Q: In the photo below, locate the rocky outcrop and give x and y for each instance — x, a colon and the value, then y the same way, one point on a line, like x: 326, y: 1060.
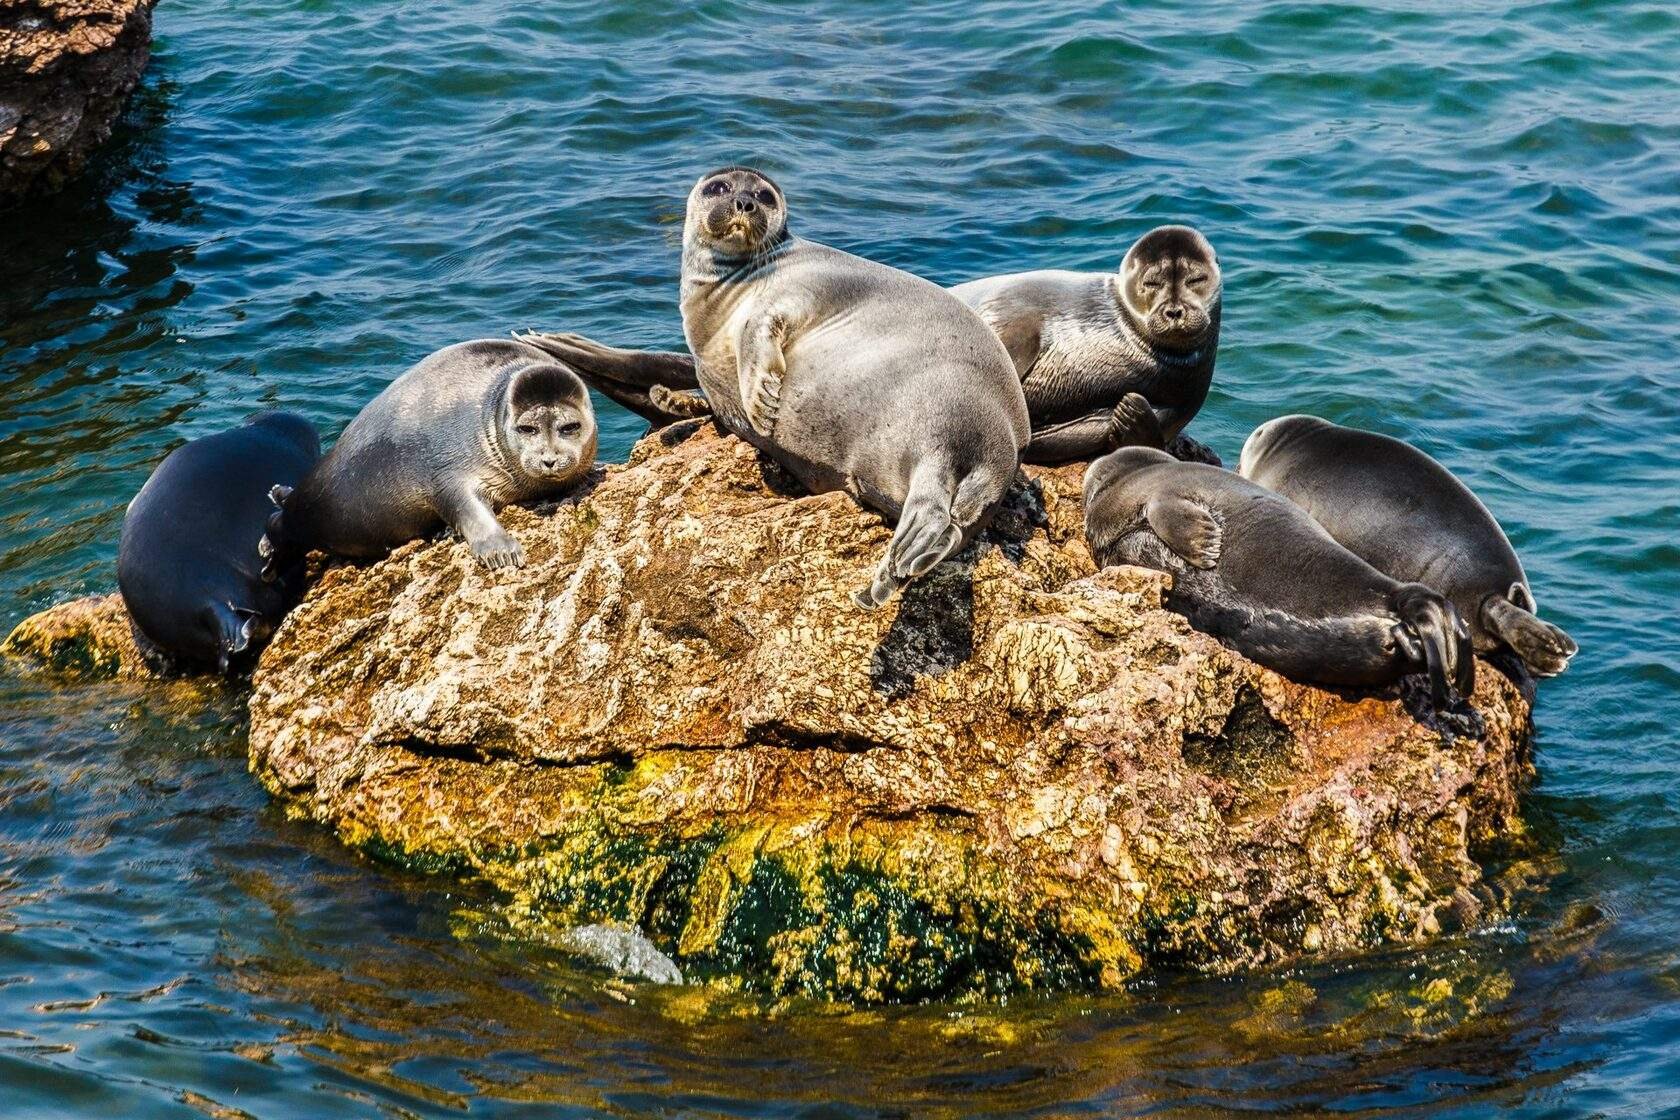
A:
x: 66, y: 70
x: 91, y: 635
x: 1023, y: 774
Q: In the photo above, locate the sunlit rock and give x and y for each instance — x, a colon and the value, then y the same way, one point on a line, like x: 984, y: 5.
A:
x: 1024, y: 774
x: 66, y: 70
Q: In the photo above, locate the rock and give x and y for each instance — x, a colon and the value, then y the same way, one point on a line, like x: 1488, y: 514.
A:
x: 622, y: 950
x: 66, y: 70
x: 1023, y: 775
x: 91, y: 636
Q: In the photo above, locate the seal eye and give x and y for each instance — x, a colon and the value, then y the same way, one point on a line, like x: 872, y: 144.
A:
x: 716, y: 186
x: 571, y: 429
x: 525, y: 429
x: 1199, y: 278
x: 765, y: 197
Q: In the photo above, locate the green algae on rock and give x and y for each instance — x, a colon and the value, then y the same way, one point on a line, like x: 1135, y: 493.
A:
x: 1023, y: 775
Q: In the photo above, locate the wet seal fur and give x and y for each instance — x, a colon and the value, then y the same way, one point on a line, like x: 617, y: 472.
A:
x: 852, y: 375
x: 1110, y: 360
x: 1411, y: 518
x: 467, y: 430
x: 188, y: 564
x: 1252, y: 569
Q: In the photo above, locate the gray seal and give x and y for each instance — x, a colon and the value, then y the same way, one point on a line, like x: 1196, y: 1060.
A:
x: 1408, y: 516
x: 1109, y: 360
x: 1105, y: 359
x: 1252, y: 569
x: 469, y: 429
x: 188, y: 564
x: 852, y: 375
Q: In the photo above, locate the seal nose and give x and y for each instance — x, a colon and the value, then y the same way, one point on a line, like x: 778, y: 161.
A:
x: 744, y: 205
x: 549, y: 464
x: 1173, y: 311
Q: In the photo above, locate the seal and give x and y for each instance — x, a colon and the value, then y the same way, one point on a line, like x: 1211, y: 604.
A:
x: 1104, y: 359
x: 1252, y: 569
x: 1408, y: 516
x: 469, y: 429
x: 1109, y: 360
x: 852, y: 375
x: 188, y: 566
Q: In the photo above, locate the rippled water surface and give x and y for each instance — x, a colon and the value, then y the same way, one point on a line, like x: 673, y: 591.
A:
x: 1454, y: 223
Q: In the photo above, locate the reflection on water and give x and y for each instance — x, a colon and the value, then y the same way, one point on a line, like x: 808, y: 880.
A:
x: 1458, y: 225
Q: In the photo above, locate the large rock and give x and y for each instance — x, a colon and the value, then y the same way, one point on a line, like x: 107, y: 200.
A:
x: 66, y: 70
x: 1024, y: 774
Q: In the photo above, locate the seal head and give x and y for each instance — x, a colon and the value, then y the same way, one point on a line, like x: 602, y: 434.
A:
x: 544, y: 425
x: 736, y: 212
x: 1169, y: 284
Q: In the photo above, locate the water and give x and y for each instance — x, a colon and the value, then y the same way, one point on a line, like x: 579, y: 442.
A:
x: 1455, y: 223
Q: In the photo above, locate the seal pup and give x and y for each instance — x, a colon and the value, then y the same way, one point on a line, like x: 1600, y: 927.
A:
x: 1105, y: 359
x: 1252, y: 569
x: 187, y: 565
x: 852, y: 375
x: 469, y: 429
x: 1407, y: 515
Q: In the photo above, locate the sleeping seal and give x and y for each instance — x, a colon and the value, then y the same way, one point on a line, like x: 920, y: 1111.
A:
x: 1406, y: 515
x: 852, y: 375
x: 188, y: 567
x: 1110, y: 360
x: 469, y: 429
x: 1104, y: 360
x: 1252, y: 569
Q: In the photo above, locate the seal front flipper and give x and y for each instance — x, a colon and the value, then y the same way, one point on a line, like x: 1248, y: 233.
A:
x: 1133, y: 423
x: 1188, y: 529
x: 679, y: 404
x: 1445, y: 639
x: 760, y: 365
x: 1544, y: 648
x: 470, y: 515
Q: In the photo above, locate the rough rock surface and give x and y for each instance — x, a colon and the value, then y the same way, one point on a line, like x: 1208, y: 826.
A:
x: 90, y: 635
x: 1024, y: 774
x: 66, y: 70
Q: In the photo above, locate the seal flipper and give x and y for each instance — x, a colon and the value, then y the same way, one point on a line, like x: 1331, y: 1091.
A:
x: 926, y: 534
x: 678, y: 403
x: 1445, y: 640
x: 237, y: 630
x: 1133, y: 423
x: 639, y: 368
x: 1188, y: 529
x: 276, y: 552
x: 1544, y: 648
x: 760, y: 366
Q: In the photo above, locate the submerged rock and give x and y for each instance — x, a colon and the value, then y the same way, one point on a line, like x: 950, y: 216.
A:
x: 66, y: 70
x: 1023, y: 774
x: 622, y: 950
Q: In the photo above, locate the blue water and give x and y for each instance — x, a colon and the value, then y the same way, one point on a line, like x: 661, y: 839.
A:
x: 1459, y: 224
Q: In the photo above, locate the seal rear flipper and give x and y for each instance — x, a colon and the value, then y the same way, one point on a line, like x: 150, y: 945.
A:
x: 276, y: 551
x: 1189, y: 529
x: 1133, y: 423
x: 640, y: 369
x: 1445, y: 640
x: 1544, y: 648
x: 926, y: 534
